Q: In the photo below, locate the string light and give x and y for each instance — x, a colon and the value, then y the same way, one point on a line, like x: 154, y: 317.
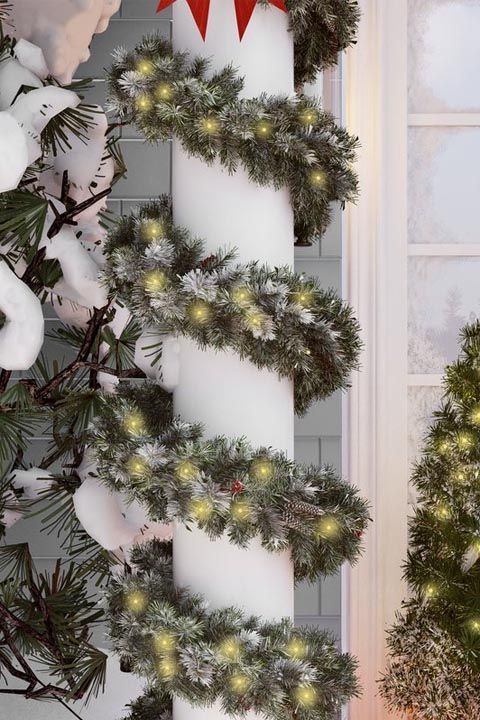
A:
x: 187, y: 470
x: 262, y: 469
x: 296, y: 648
x: 328, y: 527
x: 309, y: 116
x: 240, y: 510
x: 145, y: 67
x: 136, y: 601
x: 242, y: 295
x: 164, y: 91
x: 167, y: 668
x: 264, y: 129
x: 165, y: 642
x: 144, y: 102
x: 306, y: 695
x: 137, y: 466
x: 444, y: 446
x: 199, y: 312
x: 464, y: 440
x: 152, y: 229
x: 134, y: 423
x: 155, y: 281
x: 230, y: 649
x: 201, y: 509
x: 475, y: 625
x: 239, y: 683
x: 431, y: 591
x: 255, y: 319
x: 443, y: 512
x: 303, y: 297
x: 210, y: 125
x: 460, y: 476
x: 318, y: 178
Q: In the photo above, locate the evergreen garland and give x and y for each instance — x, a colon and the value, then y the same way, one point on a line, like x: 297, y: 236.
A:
x: 443, y: 567
x: 226, y: 486
x: 275, y: 318
x: 169, y: 636
x: 280, y: 141
x: 321, y: 29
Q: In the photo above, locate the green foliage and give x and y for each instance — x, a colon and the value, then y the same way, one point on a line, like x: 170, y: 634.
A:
x: 443, y: 567
x: 321, y: 29
x: 279, y: 141
x: 276, y: 318
x: 168, y: 635
x: 50, y: 615
x: 22, y: 217
x: 224, y: 486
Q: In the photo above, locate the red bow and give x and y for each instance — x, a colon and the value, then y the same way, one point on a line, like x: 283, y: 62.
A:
x: 243, y: 9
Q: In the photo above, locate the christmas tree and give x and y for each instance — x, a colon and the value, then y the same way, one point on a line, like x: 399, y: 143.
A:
x: 435, y: 645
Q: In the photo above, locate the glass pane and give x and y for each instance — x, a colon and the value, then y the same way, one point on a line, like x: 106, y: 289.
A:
x: 444, y: 294
x: 444, y: 56
x: 422, y: 401
x: 444, y: 185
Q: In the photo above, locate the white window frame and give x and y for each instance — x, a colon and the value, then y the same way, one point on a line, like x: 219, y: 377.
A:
x: 375, y: 282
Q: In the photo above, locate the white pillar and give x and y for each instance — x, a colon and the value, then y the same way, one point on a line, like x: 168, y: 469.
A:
x: 230, y: 396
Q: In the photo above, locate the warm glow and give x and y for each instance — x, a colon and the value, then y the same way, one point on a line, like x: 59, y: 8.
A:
x: 167, y: 668
x: 328, y: 527
x: 239, y: 683
x: 262, y: 469
x: 201, y: 508
x: 242, y: 295
x: 303, y: 297
x: 318, y: 178
x: 134, y: 423
x: 264, y: 129
x: 464, y: 440
x: 210, y: 125
x: 164, y: 91
x: 155, y: 281
x: 144, y: 102
x: 296, y: 648
x: 443, y: 512
x: 255, y: 319
x: 306, y: 695
x: 152, y: 229
x: 240, y: 510
x: 146, y: 67
x: 165, y: 642
x: 309, y: 116
x: 200, y: 312
x: 187, y: 470
x: 475, y: 625
x: 137, y: 466
x: 431, y: 590
x: 136, y: 601
x: 230, y: 649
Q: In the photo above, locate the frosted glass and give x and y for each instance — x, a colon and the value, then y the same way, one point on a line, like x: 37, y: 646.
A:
x: 444, y: 56
x: 444, y: 294
x: 444, y: 185
x: 422, y: 402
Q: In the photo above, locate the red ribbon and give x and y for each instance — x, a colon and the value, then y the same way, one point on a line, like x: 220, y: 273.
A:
x: 201, y: 8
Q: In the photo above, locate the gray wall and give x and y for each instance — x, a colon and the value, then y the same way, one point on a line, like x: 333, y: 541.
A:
x: 317, y: 436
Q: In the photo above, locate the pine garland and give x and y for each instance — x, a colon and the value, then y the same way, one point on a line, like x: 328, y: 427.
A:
x: 225, y: 486
x: 321, y: 29
x: 275, y: 318
x: 280, y: 141
x: 168, y: 635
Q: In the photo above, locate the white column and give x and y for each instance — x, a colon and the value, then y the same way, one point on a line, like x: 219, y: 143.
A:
x: 230, y: 396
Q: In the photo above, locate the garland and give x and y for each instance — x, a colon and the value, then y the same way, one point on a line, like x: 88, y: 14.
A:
x: 321, y: 30
x: 226, y: 486
x: 275, y: 318
x: 279, y: 141
x: 169, y: 636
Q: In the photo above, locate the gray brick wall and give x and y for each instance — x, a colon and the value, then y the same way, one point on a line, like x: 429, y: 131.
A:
x: 318, y: 435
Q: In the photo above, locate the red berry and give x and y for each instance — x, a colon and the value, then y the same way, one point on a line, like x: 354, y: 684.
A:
x: 237, y: 487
